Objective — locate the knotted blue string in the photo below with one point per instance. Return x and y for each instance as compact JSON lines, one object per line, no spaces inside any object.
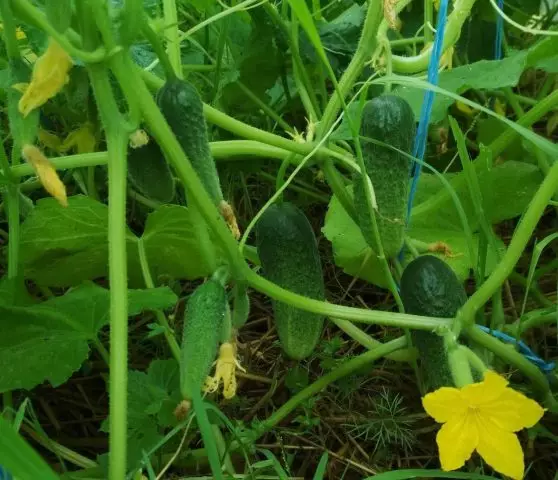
{"x":422,"y":132}
{"x":499,"y":32}
{"x":546,"y":367}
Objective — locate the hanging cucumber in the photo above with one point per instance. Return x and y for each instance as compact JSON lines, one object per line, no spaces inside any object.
{"x":388,"y":119}
{"x":429,"y":287}
{"x":182,"y":107}
{"x":289,"y":256}
{"x":203,"y":321}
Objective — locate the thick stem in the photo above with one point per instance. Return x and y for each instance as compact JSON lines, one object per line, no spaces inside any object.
{"x":520,"y":239}
{"x":365,"y":48}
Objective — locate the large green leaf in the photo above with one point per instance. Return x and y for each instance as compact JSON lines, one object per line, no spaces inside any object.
{"x":65,"y":246}
{"x":49,"y":341}
{"x":171,"y":245}
{"x":355,"y":257}
{"x":506,"y":189}
{"x":153,"y":397}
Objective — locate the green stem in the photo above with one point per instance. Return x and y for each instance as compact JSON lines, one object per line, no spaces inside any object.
{"x":428,"y":21}
{"x":345,"y":369}
{"x":160,"y":316}
{"x":159,"y":49}
{"x":173,"y":40}
{"x":511,"y":356}
{"x":394,"y":319}
{"x":32,"y":15}
{"x":537,"y":112}
{"x":419,"y":63}
{"x":516,"y":247}
{"x":369,"y":342}
{"x":366,"y":46}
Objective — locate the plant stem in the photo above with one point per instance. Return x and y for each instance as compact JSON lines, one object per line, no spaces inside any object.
{"x":160,"y":316}
{"x":393,"y":319}
{"x":32,"y":15}
{"x":517,"y":245}
{"x":537,"y":112}
{"x":366,"y":46}
{"x":419,"y":63}
{"x":117,"y":148}
{"x":171,"y":33}
{"x":369,"y":342}
{"x":345,"y":369}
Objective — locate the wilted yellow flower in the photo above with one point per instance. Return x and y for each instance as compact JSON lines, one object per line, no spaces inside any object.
{"x":483,"y":417}
{"x":83,"y":139}
{"x":50,"y":74}
{"x":46,"y":173}
{"x":225,"y":370}
{"x":228,"y":215}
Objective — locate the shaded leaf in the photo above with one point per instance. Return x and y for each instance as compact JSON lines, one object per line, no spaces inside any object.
{"x":49,"y":341}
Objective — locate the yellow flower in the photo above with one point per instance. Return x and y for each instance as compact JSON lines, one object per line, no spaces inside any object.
{"x":483,"y":417}
{"x":46,"y":173}
{"x":50,"y":74}
{"x":139,"y":138}
{"x":20,"y":34}
{"x":225,"y":371}
{"x":83,"y":139}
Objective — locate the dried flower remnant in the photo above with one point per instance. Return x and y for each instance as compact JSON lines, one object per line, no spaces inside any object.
{"x":46,"y":172}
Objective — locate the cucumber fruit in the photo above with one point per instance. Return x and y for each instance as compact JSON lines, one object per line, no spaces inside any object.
{"x":429,"y":287}
{"x":389,"y":119}
{"x":289,"y":256}
{"x":182,"y":107}
{"x":205,"y":312}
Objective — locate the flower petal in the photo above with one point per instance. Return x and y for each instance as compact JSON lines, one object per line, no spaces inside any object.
{"x":513,"y":411}
{"x":487,"y":391}
{"x":457,"y":439}
{"x":500,"y":449}
{"x":444,"y":404}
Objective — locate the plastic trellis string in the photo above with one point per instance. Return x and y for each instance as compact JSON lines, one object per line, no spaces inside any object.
{"x":546,"y":367}
{"x":499,"y":32}
{"x":422,"y":131}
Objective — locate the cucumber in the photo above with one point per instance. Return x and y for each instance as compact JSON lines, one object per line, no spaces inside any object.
{"x":149,"y":173}
{"x":204,"y":316}
{"x":429,"y":287}
{"x":289,"y":256}
{"x":389,"y":119}
{"x":182,"y":107}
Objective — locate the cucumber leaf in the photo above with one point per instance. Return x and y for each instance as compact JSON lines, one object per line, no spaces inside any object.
{"x":50,"y":340}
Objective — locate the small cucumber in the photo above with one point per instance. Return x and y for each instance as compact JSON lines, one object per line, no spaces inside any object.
{"x":182,"y":107}
{"x":289,"y":256}
{"x":204,"y":316}
{"x":429,"y":287}
{"x":389,"y":119}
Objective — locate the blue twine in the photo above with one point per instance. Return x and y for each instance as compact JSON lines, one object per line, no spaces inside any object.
{"x":419,"y":147}
{"x":4,"y":474}
{"x":499,"y":32}
{"x":546,"y":367}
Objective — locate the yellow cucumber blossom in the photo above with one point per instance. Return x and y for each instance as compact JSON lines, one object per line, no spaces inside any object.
{"x":225,"y":370}
{"x":46,"y":173}
{"x":50,"y":74}
{"x":83,"y":140}
{"x":484,"y":417}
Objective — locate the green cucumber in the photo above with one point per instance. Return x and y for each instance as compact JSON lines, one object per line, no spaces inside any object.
{"x":429,"y":287}
{"x":149,"y":173}
{"x":182,"y":107}
{"x":389,"y":119}
{"x":289,"y":256}
{"x":205,"y":312}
